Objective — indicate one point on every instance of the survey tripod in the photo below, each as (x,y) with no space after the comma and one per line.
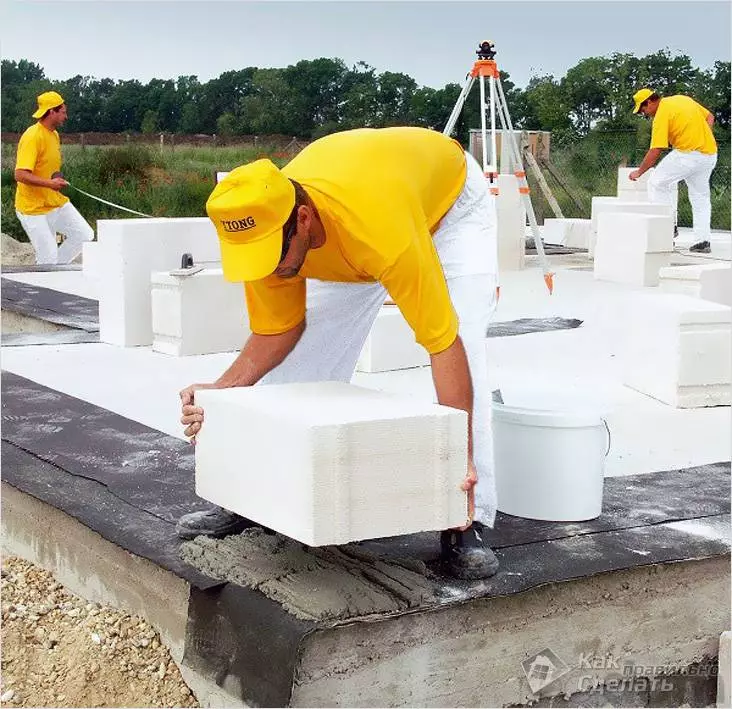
(486,68)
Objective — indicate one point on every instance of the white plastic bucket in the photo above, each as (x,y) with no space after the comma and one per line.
(550,458)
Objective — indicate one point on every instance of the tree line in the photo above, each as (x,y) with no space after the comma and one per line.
(315,97)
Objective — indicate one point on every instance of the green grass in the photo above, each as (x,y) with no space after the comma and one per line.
(176,182)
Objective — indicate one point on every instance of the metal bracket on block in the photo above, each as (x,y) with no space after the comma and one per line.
(187,268)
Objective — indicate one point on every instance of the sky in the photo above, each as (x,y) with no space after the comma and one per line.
(433,42)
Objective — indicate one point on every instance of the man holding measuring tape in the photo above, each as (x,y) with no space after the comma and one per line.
(319,244)
(41,208)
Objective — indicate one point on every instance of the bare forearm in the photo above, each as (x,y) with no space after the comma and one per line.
(650,159)
(260,355)
(454,387)
(710,120)
(28,178)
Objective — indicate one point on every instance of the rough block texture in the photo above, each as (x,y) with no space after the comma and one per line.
(636,233)
(708,281)
(329,462)
(391,344)
(131,250)
(679,351)
(197,314)
(574,233)
(511,223)
(614,204)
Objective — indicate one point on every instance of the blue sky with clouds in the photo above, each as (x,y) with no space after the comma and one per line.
(433,42)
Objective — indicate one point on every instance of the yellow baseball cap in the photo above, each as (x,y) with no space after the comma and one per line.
(46,102)
(639,97)
(249,207)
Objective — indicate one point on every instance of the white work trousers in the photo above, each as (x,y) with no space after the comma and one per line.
(695,169)
(42,229)
(340,316)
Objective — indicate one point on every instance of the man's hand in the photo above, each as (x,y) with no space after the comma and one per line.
(192,415)
(57,181)
(634,175)
(468,485)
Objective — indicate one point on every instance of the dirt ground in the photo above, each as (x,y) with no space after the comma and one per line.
(60,651)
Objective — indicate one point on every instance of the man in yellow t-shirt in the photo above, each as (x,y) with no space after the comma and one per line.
(41,208)
(681,123)
(319,244)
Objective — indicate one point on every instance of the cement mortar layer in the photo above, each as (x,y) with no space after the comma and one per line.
(323,583)
(15,323)
(471,654)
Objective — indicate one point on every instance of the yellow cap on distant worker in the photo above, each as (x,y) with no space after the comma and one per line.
(249,207)
(47,101)
(639,97)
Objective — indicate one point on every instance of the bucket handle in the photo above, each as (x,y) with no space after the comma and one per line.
(609,437)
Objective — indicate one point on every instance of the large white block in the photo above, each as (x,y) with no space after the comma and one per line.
(638,233)
(709,281)
(679,350)
(197,314)
(628,266)
(511,224)
(625,184)
(574,233)
(131,249)
(391,344)
(91,260)
(330,463)
(613,204)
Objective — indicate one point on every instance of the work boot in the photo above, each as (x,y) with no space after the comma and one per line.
(465,556)
(215,522)
(701,247)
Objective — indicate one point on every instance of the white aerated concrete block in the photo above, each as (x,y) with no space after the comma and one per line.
(91,260)
(511,224)
(623,245)
(574,233)
(331,463)
(679,350)
(625,184)
(709,281)
(613,204)
(131,249)
(391,344)
(197,314)
(640,233)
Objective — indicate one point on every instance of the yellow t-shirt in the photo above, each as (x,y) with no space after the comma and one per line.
(380,194)
(680,122)
(39,150)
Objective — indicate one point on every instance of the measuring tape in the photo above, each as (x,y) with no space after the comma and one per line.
(111,204)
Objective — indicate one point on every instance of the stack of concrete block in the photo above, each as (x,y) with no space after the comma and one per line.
(391,344)
(331,463)
(197,314)
(632,248)
(678,350)
(708,281)
(601,205)
(511,224)
(129,251)
(574,233)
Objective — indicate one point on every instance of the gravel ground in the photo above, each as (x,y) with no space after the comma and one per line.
(60,651)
